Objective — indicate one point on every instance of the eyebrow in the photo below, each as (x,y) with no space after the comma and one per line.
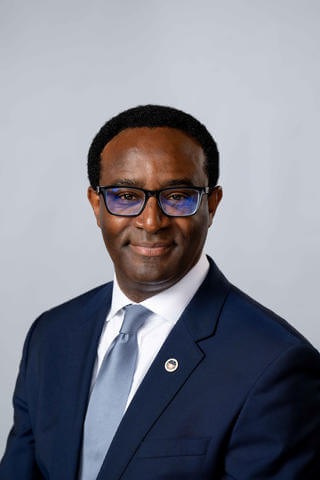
(180,181)
(172,182)
(125,181)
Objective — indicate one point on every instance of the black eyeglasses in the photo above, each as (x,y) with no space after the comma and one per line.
(173,201)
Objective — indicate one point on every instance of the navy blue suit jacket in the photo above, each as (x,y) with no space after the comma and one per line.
(243,404)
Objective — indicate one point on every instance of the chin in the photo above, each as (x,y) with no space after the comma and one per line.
(148,273)
(145,276)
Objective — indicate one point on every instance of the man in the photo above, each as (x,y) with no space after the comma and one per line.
(169,372)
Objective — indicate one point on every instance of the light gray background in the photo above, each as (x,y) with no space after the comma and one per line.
(248,69)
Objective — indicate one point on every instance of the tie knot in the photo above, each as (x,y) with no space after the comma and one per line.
(134,317)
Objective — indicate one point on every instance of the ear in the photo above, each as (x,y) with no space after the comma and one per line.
(213,202)
(94,199)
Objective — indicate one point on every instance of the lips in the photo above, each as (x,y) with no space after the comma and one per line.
(151,250)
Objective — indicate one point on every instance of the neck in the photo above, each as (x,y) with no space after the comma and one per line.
(141,291)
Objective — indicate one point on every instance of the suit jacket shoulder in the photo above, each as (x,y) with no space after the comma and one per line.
(258,326)
(69,313)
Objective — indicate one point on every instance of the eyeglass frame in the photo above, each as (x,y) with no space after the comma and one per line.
(155,193)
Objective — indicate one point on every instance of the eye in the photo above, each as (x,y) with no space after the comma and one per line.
(127,196)
(178,196)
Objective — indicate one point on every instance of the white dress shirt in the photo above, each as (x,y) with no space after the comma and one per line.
(166,306)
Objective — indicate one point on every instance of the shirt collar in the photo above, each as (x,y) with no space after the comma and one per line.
(170,303)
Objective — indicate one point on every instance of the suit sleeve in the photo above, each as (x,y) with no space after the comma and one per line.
(18,461)
(277,434)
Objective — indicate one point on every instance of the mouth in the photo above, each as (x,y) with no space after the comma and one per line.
(151,250)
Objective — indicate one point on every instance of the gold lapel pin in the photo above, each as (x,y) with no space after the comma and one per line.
(171,365)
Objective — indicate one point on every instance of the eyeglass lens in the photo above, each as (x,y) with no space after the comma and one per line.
(129,201)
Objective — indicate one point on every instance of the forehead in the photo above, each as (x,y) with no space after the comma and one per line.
(144,152)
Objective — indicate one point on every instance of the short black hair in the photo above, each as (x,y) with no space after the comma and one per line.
(154,116)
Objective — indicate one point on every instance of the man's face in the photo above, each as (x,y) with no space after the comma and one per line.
(152,251)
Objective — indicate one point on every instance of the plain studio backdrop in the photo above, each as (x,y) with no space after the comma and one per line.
(249,70)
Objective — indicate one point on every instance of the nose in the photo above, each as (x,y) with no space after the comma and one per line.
(152,219)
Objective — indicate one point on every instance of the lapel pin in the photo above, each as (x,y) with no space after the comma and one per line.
(171,365)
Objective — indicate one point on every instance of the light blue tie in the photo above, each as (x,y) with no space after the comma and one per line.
(110,393)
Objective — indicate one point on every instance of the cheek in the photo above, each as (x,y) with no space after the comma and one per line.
(113,230)
(195,227)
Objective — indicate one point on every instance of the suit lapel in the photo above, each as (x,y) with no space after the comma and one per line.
(83,336)
(159,386)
